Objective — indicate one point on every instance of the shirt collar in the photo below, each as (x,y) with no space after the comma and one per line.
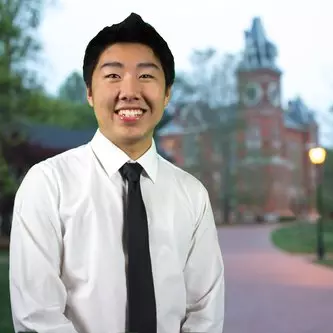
(113,158)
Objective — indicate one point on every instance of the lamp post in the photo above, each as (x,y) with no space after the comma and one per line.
(317,157)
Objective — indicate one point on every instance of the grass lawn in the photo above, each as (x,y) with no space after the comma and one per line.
(326,262)
(301,238)
(5,314)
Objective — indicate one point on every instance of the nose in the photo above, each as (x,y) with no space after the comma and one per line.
(129,89)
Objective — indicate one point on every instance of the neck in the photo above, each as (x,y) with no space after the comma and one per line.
(134,149)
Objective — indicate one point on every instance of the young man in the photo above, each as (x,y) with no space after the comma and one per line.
(110,237)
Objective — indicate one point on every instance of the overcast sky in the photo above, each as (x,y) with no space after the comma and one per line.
(302,31)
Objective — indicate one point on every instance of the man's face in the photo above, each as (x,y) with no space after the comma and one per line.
(128,93)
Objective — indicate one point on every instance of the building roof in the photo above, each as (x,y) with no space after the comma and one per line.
(199,117)
(298,115)
(259,51)
(56,137)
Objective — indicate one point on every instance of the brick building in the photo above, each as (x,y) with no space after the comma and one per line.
(253,155)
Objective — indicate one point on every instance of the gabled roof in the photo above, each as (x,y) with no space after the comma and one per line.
(291,123)
(298,115)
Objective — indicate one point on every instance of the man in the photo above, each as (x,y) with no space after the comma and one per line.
(110,237)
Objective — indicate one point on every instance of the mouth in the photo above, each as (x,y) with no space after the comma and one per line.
(130,115)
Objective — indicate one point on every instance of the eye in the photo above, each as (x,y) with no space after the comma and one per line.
(112,76)
(146,76)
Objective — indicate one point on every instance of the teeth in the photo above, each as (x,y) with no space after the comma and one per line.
(130,113)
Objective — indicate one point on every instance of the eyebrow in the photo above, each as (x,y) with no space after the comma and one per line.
(117,64)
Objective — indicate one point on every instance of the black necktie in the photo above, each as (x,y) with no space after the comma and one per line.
(141,294)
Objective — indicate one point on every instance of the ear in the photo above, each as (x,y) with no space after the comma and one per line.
(90,97)
(167,96)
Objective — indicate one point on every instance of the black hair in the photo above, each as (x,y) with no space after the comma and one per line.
(132,30)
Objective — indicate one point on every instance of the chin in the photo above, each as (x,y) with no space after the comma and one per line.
(134,138)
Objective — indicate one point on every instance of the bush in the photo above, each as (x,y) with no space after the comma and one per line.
(287,218)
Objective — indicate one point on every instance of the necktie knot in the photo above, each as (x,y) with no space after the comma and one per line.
(131,171)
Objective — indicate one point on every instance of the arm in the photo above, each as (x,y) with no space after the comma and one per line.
(204,276)
(38,296)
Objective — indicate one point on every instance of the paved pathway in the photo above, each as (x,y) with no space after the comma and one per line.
(268,291)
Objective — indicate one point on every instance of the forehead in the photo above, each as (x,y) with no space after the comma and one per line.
(129,53)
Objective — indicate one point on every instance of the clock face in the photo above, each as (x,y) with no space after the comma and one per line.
(273,94)
(252,94)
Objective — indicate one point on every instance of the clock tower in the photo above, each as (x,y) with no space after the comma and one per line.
(259,91)
(258,75)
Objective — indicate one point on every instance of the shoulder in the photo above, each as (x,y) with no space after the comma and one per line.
(44,177)
(73,159)
(185,184)
(180,175)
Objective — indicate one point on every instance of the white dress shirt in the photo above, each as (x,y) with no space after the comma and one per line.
(67,261)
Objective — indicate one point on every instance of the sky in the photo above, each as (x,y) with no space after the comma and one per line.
(302,31)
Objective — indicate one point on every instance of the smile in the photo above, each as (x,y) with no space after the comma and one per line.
(130,114)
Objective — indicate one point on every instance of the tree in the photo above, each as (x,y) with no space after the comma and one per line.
(73,89)
(41,108)
(19,48)
(211,86)
(19,21)
(213,77)
(326,127)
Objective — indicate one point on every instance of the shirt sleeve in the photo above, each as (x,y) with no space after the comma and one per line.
(204,275)
(37,294)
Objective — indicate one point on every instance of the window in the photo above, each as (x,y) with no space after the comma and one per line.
(276,135)
(295,155)
(253,137)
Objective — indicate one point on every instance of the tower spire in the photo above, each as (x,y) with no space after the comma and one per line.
(259,51)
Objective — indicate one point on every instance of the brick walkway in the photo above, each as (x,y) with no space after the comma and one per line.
(268,291)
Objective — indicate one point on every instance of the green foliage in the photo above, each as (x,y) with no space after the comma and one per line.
(73,89)
(287,218)
(6,325)
(41,108)
(19,47)
(19,20)
(8,181)
(71,109)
